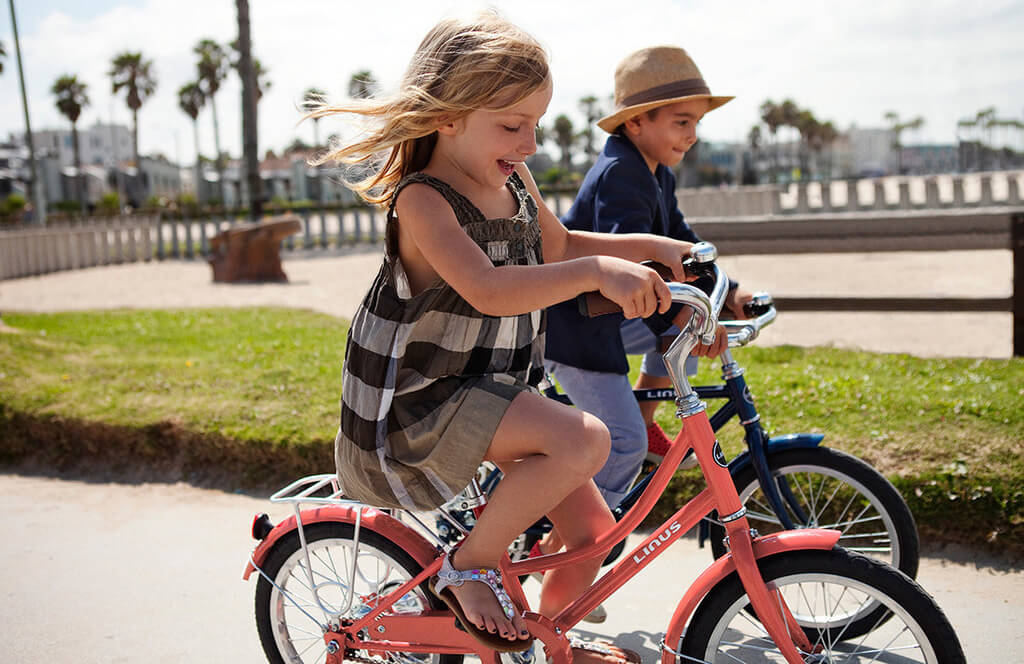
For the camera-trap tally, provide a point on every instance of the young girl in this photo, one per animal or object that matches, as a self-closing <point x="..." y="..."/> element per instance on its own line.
<point x="445" y="348"/>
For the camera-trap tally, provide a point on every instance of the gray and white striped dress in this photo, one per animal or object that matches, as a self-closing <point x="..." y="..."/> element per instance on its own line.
<point x="427" y="378"/>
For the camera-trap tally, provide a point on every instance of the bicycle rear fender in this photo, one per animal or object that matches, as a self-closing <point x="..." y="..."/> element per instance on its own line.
<point x="379" y="522"/>
<point x="768" y="545"/>
<point x="790" y="441"/>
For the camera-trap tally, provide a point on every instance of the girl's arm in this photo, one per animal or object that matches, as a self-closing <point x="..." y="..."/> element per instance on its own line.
<point x="562" y="244"/>
<point x="432" y="244"/>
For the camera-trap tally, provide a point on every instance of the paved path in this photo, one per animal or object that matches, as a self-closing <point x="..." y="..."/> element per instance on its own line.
<point x="102" y="573"/>
<point x="335" y="284"/>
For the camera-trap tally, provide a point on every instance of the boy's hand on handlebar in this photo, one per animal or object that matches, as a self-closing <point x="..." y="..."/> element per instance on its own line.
<point x="716" y="348"/>
<point x="672" y="253"/>
<point x="735" y="301"/>
<point x="636" y="288"/>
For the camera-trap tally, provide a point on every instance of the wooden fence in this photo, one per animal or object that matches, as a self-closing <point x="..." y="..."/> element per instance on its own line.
<point x="105" y="242"/>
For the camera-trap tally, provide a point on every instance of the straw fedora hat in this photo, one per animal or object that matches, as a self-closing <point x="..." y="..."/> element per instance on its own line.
<point x="654" y="77"/>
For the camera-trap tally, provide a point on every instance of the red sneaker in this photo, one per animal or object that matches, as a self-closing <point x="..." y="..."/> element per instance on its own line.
<point x="658" y="443"/>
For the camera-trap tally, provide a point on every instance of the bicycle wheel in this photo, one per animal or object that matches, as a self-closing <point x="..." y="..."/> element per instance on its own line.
<point x="832" y="489"/>
<point x="291" y="624"/>
<point x="823" y="588"/>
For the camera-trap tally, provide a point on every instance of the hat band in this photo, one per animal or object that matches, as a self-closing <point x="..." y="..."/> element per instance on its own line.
<point x="684" y="88"/>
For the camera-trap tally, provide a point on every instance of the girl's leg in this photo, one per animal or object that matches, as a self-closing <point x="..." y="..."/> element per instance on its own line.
<point x="579" y="520"/>
<point x="547" y="451"/>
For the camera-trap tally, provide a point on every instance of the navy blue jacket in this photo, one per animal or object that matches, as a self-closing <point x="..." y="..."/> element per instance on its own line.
<point x="618" y="195"/>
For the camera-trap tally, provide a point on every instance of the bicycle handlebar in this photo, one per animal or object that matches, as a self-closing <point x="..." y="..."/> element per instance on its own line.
<point x="742" y="332"/>
<point x="700" y="264"/>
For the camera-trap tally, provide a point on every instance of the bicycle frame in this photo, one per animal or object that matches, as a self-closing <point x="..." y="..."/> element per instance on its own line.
<point x="436" y="632"/>
<point x="738" y="402"/>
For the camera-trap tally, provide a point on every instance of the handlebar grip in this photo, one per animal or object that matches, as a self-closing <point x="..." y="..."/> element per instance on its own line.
<point x="761" y="304"/>
<point x="594" y="304"/>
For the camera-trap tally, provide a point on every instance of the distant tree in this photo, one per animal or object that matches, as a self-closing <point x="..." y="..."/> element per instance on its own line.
<point x="808" y="127"/>
<point x="542" y="135"/>
<point x="311" y="99"/>
<point x="191" y="100"/>
<point x="564" y="139"/>
<point x="212" y="69"/>
<point x="590" y="106"/>
<point x="754" y="141"/>
<point x="135" y="75"/>
<point x="362" y="85"/>
<point x="897" y="127"/>
<point x="3" y="56"/>
<point x="263" y="82"/>
<point x="297" y="145"/>
<point x="248" y="70"/>
<point x="72" y="97"/>
<point x="771" y="116"/>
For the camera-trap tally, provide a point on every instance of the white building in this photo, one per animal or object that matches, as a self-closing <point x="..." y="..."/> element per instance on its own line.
<point x="100" y="144"/>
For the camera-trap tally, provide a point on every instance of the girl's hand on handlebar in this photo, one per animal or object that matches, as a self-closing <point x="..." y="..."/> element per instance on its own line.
<point x="636" y="288"/>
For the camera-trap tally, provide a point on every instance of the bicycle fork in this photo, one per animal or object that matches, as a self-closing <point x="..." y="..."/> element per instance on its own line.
<point x="770" y="606"/>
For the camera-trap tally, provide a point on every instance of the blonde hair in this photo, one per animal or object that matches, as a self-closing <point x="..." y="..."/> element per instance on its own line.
<point x="459" y="67"/>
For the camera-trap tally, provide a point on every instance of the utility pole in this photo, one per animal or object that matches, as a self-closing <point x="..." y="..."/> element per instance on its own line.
<point x="37" y="194"/>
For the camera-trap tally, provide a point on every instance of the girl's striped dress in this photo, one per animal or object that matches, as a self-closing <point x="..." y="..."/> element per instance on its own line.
<point x="427" y="378"/>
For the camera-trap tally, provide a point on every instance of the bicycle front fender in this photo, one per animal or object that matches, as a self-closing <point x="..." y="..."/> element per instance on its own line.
<point x="768" y="545"/>
<point x="373" y="519"/>
<point x="775" y="444"/>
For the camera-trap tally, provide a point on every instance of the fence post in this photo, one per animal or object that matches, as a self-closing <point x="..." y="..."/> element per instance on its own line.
<point x="160" y="238"/>
<point x="356" y="232"/>
<point x="1017" y="245"/>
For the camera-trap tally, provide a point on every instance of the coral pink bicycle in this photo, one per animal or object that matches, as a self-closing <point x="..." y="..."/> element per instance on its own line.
<point x="344" y="581"/>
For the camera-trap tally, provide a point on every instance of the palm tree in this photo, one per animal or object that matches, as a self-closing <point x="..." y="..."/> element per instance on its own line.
<point x="130" y="72"/>
<point x="827" y="135"/>
<point x="564" y="138"/>
<point x="191" y="100"/>
<point x="754" y="141"/>
<point x="311" y="99"/>
<point x="771" y="115"/>
<point x="212" y="69"/>
<point x="592" y="112"/>
<point x="71" y="99"/>
<point x="789" y="114"/>
<point x="263" y="82"/>
<point x="897" y="128"/>
<point x="362" y="85"/>
<point x="248" y="71"/>
<point x="808" y="126"/>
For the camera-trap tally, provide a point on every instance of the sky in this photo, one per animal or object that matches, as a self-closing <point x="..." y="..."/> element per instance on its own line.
<point x="939" y="60"/>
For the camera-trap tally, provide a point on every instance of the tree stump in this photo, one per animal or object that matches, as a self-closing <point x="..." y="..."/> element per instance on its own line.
<point x="251" y="251"/>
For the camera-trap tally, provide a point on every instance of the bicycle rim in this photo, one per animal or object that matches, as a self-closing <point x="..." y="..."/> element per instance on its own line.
<point x="824" y="587"/>
<point x="295" y="621"/>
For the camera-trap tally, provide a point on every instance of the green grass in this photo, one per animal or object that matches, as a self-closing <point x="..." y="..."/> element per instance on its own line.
<point x="266" y="374"/>
<point x="256" y="392"/>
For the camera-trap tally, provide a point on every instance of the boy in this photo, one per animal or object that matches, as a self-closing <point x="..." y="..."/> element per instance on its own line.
<point x="660" y="96"/>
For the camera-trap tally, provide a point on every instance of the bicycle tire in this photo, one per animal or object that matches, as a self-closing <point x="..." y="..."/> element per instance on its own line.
<point x="819" y="582"/>
<point x="288" y="636"/>
<point x="853" y="488"/>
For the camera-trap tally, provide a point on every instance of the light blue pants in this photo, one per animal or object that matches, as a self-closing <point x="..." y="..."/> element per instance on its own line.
<point x="609" y="397"/>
